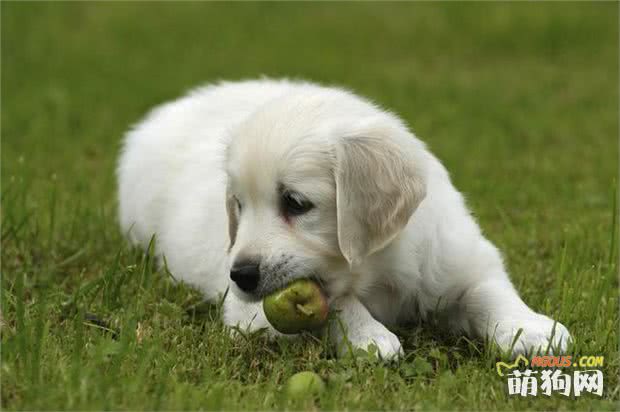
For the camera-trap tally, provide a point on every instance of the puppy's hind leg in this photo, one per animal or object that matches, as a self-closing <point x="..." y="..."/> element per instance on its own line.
<point x="492" y="309"/>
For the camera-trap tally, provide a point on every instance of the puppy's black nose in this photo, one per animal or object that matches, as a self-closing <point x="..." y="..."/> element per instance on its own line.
<point x="246" y="275"/>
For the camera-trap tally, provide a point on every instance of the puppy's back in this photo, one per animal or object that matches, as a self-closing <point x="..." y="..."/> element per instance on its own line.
<point x="172" y="137"/>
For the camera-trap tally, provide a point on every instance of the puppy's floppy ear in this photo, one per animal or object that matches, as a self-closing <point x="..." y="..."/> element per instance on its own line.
<point x="233" y="217"/>
<point x="379" y="184"/>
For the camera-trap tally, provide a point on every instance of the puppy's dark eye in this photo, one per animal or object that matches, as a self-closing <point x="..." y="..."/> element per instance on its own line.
<point x="293" y="204"/>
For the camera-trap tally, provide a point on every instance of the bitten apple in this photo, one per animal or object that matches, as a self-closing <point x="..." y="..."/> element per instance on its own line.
<point x="302" y="305"/>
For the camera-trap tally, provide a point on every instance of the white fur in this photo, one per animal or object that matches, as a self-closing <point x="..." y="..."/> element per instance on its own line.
<point x="390" y="238"/>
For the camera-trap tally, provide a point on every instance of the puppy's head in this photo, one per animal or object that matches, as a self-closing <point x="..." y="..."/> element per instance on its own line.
<point x="314" y="190"/>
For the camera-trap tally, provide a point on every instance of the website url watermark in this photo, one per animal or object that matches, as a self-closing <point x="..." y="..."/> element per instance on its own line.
<point x="524" y="381"/>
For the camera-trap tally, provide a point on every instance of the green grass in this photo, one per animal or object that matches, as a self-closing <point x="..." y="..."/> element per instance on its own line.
<point x="519" y="100"/>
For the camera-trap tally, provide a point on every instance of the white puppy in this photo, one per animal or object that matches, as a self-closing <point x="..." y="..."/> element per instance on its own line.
<point x="269" y="181"/>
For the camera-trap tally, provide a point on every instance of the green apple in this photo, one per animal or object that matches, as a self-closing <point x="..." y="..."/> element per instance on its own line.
<point x="304" y="384"/>
<point x="302" y="305"/>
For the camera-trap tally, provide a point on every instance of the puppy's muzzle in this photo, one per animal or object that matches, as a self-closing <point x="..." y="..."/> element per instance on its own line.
<point x="246" y="274"/>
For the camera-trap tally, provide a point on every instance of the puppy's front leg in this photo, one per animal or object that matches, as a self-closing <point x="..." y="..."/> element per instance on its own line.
<point x="246" y="316"/>
<point x="493" y="309"/>
<point x="361" y="330"/>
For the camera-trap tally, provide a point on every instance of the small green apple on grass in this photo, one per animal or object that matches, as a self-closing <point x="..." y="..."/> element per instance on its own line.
<point x="304" y="384"/>
<point x="300" y="306"/>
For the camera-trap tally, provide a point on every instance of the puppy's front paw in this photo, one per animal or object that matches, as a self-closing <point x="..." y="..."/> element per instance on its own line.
<point x="540" y="334"/>
<point x="386" y="344"/>
<point x="243" y="317"/>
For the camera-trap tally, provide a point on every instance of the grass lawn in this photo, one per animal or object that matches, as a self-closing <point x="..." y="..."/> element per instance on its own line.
<point x="519" y="100"/>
